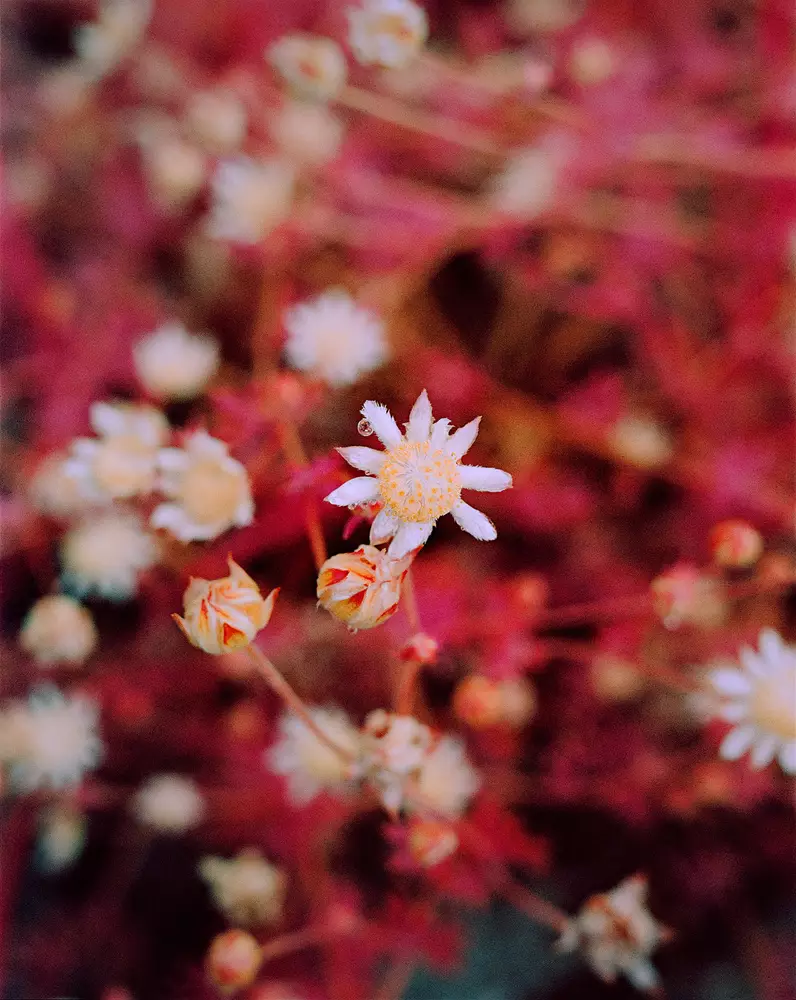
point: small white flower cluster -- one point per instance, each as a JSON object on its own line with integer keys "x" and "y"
{"x": 248, "y": 890}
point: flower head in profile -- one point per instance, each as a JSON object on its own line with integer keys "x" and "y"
{"x": 121, "y": 462}
{"x": 247, "y": 889}
{"x": 209, "y": 490}
{"x": 250, "y": 198}
{"x": 758, "y": 697}
{"x": 58, "y": 629}
{"x": 333, "y": 338}
{"x": 104, "y": 556}
{"x": 309, "y": 766}
{"x": 418, "y": 478}
{"x": 226, "y": 614}
{"x": 173, "y": 364}
{"x": 617, "y": 934}
{"x": 362, "y": 588}
{"x": 311, "y": 65}
{"x": 387, "y": 33}
{"x": 168, "y": 803}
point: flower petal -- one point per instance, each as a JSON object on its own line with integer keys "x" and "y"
{"x": 737, "y": 742}
{"x": 107, "y": 420}
{"x": 473, "y": 521}
{"x": 461, "y": 441}
{"x": 383, "y": 423}
{"x": 409, "y": 537}
{"x": 477, "y": 477}
{"x": 384, "y": 526}
{"x": 359, "y": 490}
{"x": 420, "y": 419}
{"x": 365, "y": 459}
{"x": 787, "y": 758}
{"x": 730, "y": 682}
{"x": 763, "y": 752}
{"x": 440, "y": 432}
{"x": 771, "y": 646}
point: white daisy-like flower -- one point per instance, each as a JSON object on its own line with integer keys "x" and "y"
{"x": 210, "y": 490}
{"x": 617, "y": 934}
{"x": 387, "y": 33}
{"x": 395, "y": 749}
{"x": 54, "y": 491}
{"x": 121, "y": 462}
{"x": 758, "y": 696}
{"x": 104, "y": 556}
{"x": 173, "y": 364}
{"x": 247, "y": 889}
{"x": 447, "y": 781}
{"x": 169, "y": 803}
{"x": 118, "y": 28}
{"x": 528, "y": 184}
{"x": 418, "y": 478}
{"x": 218, "y": 119}
{"x": 58, "y": 629}
{"x": 250, "y": 198}
{"x": 309, "y": 766}
{"x": 307, "y": 134}
{"x": 313, "y": 66}
{"x": 58, "y": 740}
{"x": 334, "y": 338}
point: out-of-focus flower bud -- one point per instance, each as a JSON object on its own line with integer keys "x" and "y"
{"x": 430, "y": 842}
{"x": 226, "y": 614}
{"x": 615, "y": 680}
{"x": 311, "y": 65}
{"x": 685, "y": 596}
{"x": 478, "y": 702}
{"x": 518, "y": 702}
{"x": 58, "y": 629}
{"x": 362, "y": 588}
{"x": 735, "y": 544}
{"x": 421, "y": 648}
{"x": 233, "y": 961}
{"x": 387, "y": 33}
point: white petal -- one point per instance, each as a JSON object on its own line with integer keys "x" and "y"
{"x": 409, "y": 537}
{"x": 384, "y": 526}
{"x": 383, "y": 423}
{"x": 730, "y": 682}
{"x": 420, "y": 419}
{"x": 473, "y": 521}
{"x": 365, "y": 459}
{"x": 107, "y": 420}
{"x": 84, "y": 449}
{"x": 787, "y": 757}
{"x": 753, "y": 663}
{"x": 202, "y": 444}
{"x": 173, "y": 460}
{"x": 737, "y": 742}
{"x": 763, "y": 752}
{"x": 771, "y": 646}
{"x": 642, "y": 974}
{"x": 461, "y": 441}
{"x": 440, "y": 432}
{"x": 359, "y": 490}
{"x": 476, "y": 477}
{"x": 734, "y": 711}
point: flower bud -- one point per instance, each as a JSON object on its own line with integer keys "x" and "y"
{"x": 233, "y": 961}
{"x": 431, "y": 842}
{"x": 421, "y": 648}
{"x": 362, "y": 588}
{"x": 735, "y": 544}
{"x": 478, "y": 702}
{"x": 684, "y": 596}
{"x": 223, "y": 615}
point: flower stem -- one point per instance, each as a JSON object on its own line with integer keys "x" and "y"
{"x": 295, "y": 453}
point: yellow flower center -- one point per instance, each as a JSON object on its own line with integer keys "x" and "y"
{"x": 773, "y": 704}
{"x": 210, "y": 493}
{"x": 124, "y": 465}
{"x": 418, "y": 483}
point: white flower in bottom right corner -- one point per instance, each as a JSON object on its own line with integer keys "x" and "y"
{"x": 758, "y": 696}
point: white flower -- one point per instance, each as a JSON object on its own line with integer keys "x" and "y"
{"x": 58, "y": 629}
{"x": 308, "y": 135}
{"x": 418, "y": 479}
{"x": 387, "y": 33}
{"x": 118, "y": 28}
{"x": 57, "y": 740}
{"x": 210, "y": 490}
{"x": 175, "y": 168}
{"x": 247, "y": 889}
{"x": 168, "y": 803}
{"x": 528, "y": 185}
{"x": 312, "y": 65}
{"x": 122, "y": 461}
{"x": 250, "y": 199}
{"x": 617, "y": 934}
{"x": 309, "y": 766}
{"x": 105, "y": 556}
{"x": 395, "y": 749}
{"x": 641, "y": 441}
{"x": 62, "y": 835}
{"x": 758, "y": 696}
{"x": 218, "y": 120}
{"x": 447, "y": 780}
{"x": 54, "y": 491}
{"x": 591, "y": 61}
{"x": 334, "y": 338}
{"x": 172, "y": 363}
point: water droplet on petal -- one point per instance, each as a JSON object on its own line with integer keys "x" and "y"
{"x": 364, "y": 427}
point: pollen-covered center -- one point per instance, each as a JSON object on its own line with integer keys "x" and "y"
{"x": 773, "y": 705}
{"x": 418, "y": 482}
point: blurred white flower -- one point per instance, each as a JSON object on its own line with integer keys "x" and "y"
{"x": 56, "y": 740}
{"x": 122, "y": 461}
{"x": 395, "y": 747}
{"x": 418, "y": 478}
{"x": 175, "y": 168}
{"x": 528, "y": 184}
{"x": 617, "y": 934}
{"x": 591, "y": 61}
{"x": 209, "y": 489}
{"x": 758, "y": 696}
{"x": 447, "y": 781}
{"x": 250, "y": 199}
{"x": 247, "y": 889}
{"x": 641, "y": 441}
{"x": 218, "y": 119}
{"x": 313, "y": 66}
{"x": 62, "y": 836}
{"x": 104, "y": 556}
{"x": 334, "y": 338}
{"x": 119, "y": 27}
{"x": 58, "y": 629}
{"x": 168, "y": 803}
{"x": 531, "y": 16}
{"x": 387, "y": 33}
{"x": 309, "y": 766}
{"x": 173, "y": 364}
{"x": 54, "y": 491}
{"x": 307, "y": 134}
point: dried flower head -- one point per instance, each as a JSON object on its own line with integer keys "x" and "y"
{"x": 226, "y": 614}
{"x": 250, "y": 198}
{"x": 334, "y": 339}
{"x": 233, "y": 961}
{"x": 173, "y": 364}
{"x": 247, "y": 889}
{"x": 310, "y": 65}
{"x": 169, "y": 803}
{"x": 387, "y": 33}
{"x": 58, "y": 629}
{"x": 362, "y": 588}
{"x": 309, "y": 766}
{"x": 735, "y": 544}
{"x": 418, "y": 478}
{"x": 104, "y": 556}
{"x": 209, "y": 489}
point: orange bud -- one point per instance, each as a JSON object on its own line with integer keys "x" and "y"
{"x": 233, "y": 961}
{"x": 362, "y": 588}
